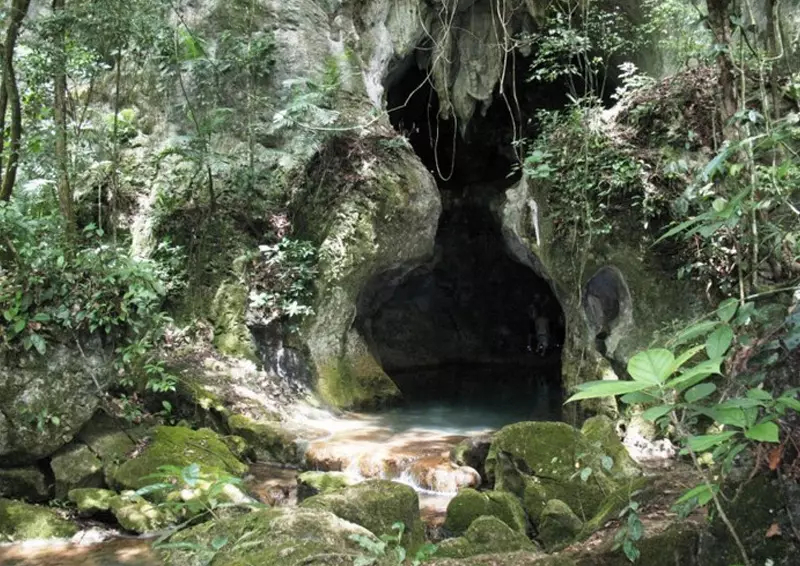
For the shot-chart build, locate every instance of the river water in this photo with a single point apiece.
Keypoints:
(410, 444)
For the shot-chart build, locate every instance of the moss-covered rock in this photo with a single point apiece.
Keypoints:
(179, 446)
(231, 335)
(485, 535)
(268, 440)
(558, 525)
(470, 504)
(313, 483)
(27, 483)
(90, 500)
(376, 505)
(112, 441)
(21, 521)
(356, 381)
(672, 545)
(76, 466)
(274, 537)
(539, 461)
(638, 488)
(472, 452)
(600, 432)
(134, 513)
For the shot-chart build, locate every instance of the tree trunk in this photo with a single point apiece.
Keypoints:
(60, 102)
(720, 23)
(19, 9)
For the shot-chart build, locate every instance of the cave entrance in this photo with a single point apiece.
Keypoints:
(472, 326)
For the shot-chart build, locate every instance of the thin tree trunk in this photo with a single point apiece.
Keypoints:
(19, 9)
(719, 21)
(115, 163)
(60, 102)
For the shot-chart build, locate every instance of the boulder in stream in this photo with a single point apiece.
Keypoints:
(314, 483)
(470, 504)
(21, 521)
(269, 441)
(484, 535)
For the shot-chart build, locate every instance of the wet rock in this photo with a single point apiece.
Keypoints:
(91, 501)
(275, 537)
(111, 441)
(268, 440)
(601, 432)
(469, 504)
(76, 466)
(21, 521)
(231, 335)
(558, 525)
(442, 476)
(472, 452)
(134, 513)
(376, 505)
(315, 483)
(27, 483)
(485, 535)
(179, 446)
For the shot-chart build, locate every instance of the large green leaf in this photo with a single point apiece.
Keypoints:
(704, 442)
(727, 309)
(609, 388)
(685, 357)
(695, 375)
(699, 392)
(764, 432)
(732, 416)
(695, 331)
(702, 493)
(651, 366)
(719, 341)
(654, 413)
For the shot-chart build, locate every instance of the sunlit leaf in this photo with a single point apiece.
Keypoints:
(727, 309)
(764, 432)
(609, 388)
(651, 366)
(704, 442)
(655, 413)
(699, 392)
(719, 341)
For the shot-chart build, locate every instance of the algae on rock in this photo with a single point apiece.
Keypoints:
(485, 535)
(90, 500)
(558, 525)
(22, 521)
(470, 504)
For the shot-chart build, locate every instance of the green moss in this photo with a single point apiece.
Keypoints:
(470, 504)
(76, 466)
(356, 382)
(179, 446)
(558, 525)
(111, 442)
(600, 432)
(91, 500)
(231, 335)
(24, 483)
(375, 505)
(21, 521)
(134, 513)
(485, 535)
(268, 440)
(273, 537)
(315, 483)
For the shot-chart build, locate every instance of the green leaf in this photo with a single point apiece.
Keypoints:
(607, 463)
(651, 366)
(789, 402)
(695, 331)
(585, 473)
(39, 343)
(764, 432)
(19, 325)
(727, 309)
(638, 397)
(606, 388)
(695, 375)
(655, 413)
(719, 342)
(704, 442)
(699, 392)
(702, 493)
(218, 542)
(685, 357)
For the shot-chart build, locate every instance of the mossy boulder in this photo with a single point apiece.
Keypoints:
(638, 488)
(76, 466)
(27, 483)
(539, 461)
(314, 483)
(274, 537)
(90, 500)
(558, 525)
(135, 513)
(268, 440)
(600, 432)
(22, 521)
(112, 440)
(485, 535)
(376, 505)
(356, 381)
(470, 504)
(179, 446)
(231, 335)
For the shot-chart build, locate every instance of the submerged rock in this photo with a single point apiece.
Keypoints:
(558, 525)
(268, 440)
(376, 505)
(21, 521)
(90, 501)
(76, 466)
(469, 504)
(27, 483)
(484, 535)
(273, 537)
(179, 446)
(315, 483)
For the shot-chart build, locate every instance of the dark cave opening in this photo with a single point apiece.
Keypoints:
(472, 325)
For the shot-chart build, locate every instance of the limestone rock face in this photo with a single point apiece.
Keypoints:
(280, 536)
(27, 483)
(179, 446)
(21, 521)
(469, 504)
(486, 534)
(376, 505)
(76, 466)
(57, 385)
